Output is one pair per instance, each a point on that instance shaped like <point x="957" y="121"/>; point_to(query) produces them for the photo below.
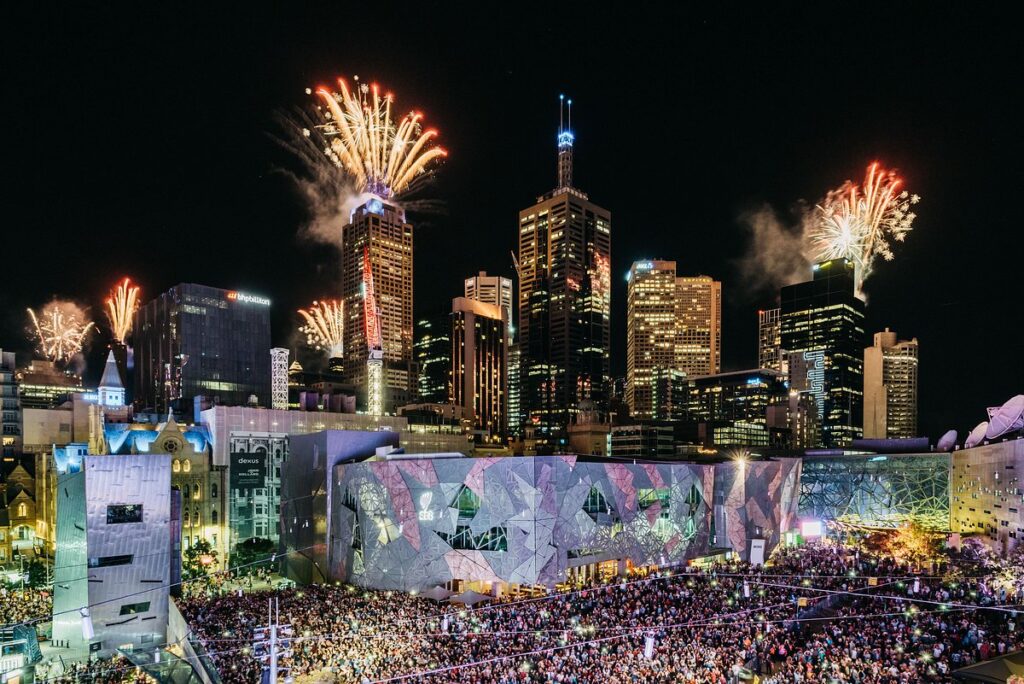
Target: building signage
<point x="248" y="471"/>
<point x="247" y="298"/>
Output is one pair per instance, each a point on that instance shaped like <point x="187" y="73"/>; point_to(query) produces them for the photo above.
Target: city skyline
<point x="252" y="196"/>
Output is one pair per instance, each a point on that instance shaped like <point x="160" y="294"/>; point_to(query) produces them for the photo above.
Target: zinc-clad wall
<point x="117" y="594"/>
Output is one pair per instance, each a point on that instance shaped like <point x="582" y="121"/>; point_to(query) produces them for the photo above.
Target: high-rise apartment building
<point x="379" y="234"/>
<point x="497" y="291"/>
<point x="434" y="359"/>
<point x="564" y="304"/>
<point x="515" y="405"/>
<point x="10" y="406"/>
<point x="479" y="364"/>
<point x="769" y="340"/>
<point x="673" y="331"/>
<point x="652" y="332"/>
<point x="823" y="333"/>
<point x="700" y="325"/>
<point x="494" y="290"/>
<point x="890" y="387"/>
<point x="195" y="340"/>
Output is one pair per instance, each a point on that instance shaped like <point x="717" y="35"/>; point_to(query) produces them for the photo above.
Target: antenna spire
<point x="565" y="141"/>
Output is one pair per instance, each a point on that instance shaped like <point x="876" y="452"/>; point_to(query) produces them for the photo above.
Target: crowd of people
<point x="816" y="614"/>
<point x="116" y="670"/>
<point x="20" y="605"/>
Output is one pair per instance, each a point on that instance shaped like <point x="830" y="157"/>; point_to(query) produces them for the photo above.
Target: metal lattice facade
<point x="279" y="378"/>
<point x="877" y="491"/>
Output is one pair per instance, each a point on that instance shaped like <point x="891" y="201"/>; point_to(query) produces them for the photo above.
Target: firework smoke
<point x="60" y="330"/>
<point x="324" y="327"/>
<point x="121" y="306"/>
<point x="859" y="223"/>
<point x="775" y="257"/>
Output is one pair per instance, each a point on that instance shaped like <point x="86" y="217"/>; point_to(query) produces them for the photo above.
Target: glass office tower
<point x="823" y="327"/>
<point x="195" y="340"/>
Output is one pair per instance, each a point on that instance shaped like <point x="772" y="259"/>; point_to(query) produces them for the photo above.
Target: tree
<point x="252" y="554"/>
<point x="36" y="574"/>
<point x="913" y="543"/>
<point x="200" y="560"/>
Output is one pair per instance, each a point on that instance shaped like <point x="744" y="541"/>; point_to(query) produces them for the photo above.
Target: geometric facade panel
<point x="411" y="524"/>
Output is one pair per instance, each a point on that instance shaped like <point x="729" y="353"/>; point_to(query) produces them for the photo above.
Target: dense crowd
<point x="20" y="605"/>
<point x="109" y="671"/>
<point x="861" y="620"/>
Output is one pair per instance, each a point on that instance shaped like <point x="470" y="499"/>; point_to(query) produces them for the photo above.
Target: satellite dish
<point x="1007" y="418"/>
<point x="947" y="441"/>
<point x="977" y="434"/>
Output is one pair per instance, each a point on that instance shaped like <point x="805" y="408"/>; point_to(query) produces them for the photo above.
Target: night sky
<point x="139" y="142"/>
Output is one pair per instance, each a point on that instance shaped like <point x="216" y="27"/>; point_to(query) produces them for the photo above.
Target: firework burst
<point x="121" y="306"/>
<point x="861" y="223"/>
<point x="324" y="326"/>
<point x="60" y="331"/>
<point x="382" y="155"/>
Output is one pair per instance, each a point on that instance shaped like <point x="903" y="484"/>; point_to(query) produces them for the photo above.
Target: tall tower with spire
<point x="564" y="302"/>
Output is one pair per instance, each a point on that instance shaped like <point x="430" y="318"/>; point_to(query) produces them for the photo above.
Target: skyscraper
<point x="479" y="359"/>
<point x="564" y="303"/>
<point x="673" y="330"/>
<point x="652" y="332"/>
<point x="379" y="233"/>
<point x="497" y="291"/>
<point x="823" y="332"/>
<point x="890" y="387"/>
<point x="494" y="290"/>
<point x="196" y="340"/>
<point x="434" y="358"/>
<point x="769" y="341"/>
<point x="700" y="325"/>
<point x="10" y="406"/>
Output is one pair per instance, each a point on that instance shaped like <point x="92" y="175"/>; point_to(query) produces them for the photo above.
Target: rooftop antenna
<point x="565" y="141"/>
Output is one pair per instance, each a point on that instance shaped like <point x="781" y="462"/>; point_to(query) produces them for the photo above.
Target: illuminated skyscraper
<point x="652" y="332"/>
<point x="195" y="340"/>
<point x="379" y="228"/>
<point x="769" y="341"/>
<point x="434" y="359"/>
<point x="515" y="410"/>
<point x="890" y="387"/>
<point x="823" y="332"/>
<point x="479" y="358"/>
<point x="564" y="303"/>
<point x="700" y="325"/>
<point x="497" y="291"/>
<point x="673" y="331"/>
<point x="494" y="290"/>
<point x="10" y="406"/>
